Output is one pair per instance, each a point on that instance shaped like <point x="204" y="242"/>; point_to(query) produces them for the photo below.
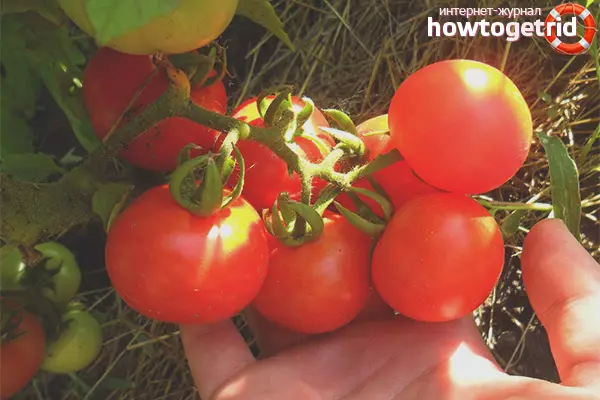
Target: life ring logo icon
<point x="552" y="28"/>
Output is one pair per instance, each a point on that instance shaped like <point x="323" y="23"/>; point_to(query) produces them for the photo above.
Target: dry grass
<point x="351" y="54"/>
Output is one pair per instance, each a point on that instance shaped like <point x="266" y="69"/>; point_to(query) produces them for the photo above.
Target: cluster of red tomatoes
<point x="462" y="128"/>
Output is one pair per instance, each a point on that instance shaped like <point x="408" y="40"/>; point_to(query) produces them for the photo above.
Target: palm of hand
<point x="396" y="358"/>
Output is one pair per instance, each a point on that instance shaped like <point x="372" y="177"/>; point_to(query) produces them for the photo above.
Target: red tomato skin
<point x="321" y="285"/>
<point x="267" y="175"/>
<point x="439" y="258"/>
<point x="375" y="144"/>
<point x="462" y="125"/>
<point x="398" y="180"/>
<point x="21" y="358"/>
<point x="112" y="79"/>
<point x="173" y="266"/>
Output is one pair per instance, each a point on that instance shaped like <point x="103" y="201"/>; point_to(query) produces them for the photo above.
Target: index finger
<point x="215" y="353"/>
<point x="563" y="283"/>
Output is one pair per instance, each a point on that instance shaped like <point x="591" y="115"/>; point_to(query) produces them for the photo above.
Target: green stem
<point x="503" y="205"/>
<point x="300" y="224"/>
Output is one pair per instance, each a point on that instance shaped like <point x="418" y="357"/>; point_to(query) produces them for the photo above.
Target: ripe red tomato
<point x="266" y="174"/>
<point x="398" y="179"/>
<point x="320" y="286"/>
<point x="439" y="257"/>
<point x="462" y="125"/>
<point x="112" y="79"/>
<point x="173" y="266"/>
<point x="21" y="357"/>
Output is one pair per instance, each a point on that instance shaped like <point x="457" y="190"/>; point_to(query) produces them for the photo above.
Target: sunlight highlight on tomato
<point x="173" y="266"/>
<point x="462" y="125"/>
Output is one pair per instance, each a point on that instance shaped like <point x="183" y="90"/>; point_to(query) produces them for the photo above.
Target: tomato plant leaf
<point x="511" y="224"/>
<point x="48" y="9"/>
<point x="262" y="13"/>
<point x="20" y="83"/>
<point x="112" y="18"/>
<point x="30" y="167"/>
<point x="58" y="62"/>
<point x="15" y="134"/>
<point x="564" y="181"/>
<point x="109" y="200"/>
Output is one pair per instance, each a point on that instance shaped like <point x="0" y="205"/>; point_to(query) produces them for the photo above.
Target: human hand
<point x="392" y="357"/>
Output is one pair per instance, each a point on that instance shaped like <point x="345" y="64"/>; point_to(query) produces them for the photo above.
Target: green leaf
<point x="262" y="13"/>
<point x="15" y="134"/>
<point x="113" y="18"/>
<point x="512" y="222"/>
<point x="546" y="97"/>
<point x="564" y="181"/>
<point x="30" y="167"/>
<point x="20" y="84"/>
<point x="48" y="9"/>
<point x="108" y="201"/>
<point x="57" y="60"/>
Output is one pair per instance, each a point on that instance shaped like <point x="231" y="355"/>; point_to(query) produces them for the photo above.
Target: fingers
<point x="271" y="339"/>
<point x="215" y="353"/>
<point x="563" y="284"/>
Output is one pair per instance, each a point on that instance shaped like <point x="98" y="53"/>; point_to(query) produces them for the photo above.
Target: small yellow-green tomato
<point x="194" y="24"/>
<point x="78" y="345"/>
<point x="65" y="273"/>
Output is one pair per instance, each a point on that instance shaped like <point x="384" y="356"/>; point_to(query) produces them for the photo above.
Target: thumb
<point x="563" y="284"/>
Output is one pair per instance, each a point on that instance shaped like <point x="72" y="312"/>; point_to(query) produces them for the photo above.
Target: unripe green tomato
<point x="78" y="345"/>
<point x="12" y="268"/>
<point x="193" y="24"/>
<point x="67" y="277"/>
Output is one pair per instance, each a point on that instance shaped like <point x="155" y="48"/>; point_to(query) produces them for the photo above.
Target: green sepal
<point x="185" y="154"/>
<point x="187" y="62"/>
<point x="353" y="142"/>
<point x="377" y="188"/>
<point x="278" y="226"/>
<point x="370" y="228"/>
<point x="209" y="195"/>
<point x="323" y="147"/>
<point x="221" y="69"/>
<point x="386" y="206"/>
<point x="363" y="209"/>
<point x="380" y="162"/>
<point x="239" y="186"/>
<point x="283" y="101"/>
<point x="182" y="184"/>
<point x="206" y="64"/>
<point x="285" y="213"/>
<point x="262" y="101"/>
<point x="304" y="115"/>
<point x="310" y="216"/>
<point x="341" y="121"/>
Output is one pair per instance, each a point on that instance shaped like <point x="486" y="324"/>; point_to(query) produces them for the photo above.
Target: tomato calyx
<point x="365" y="219"/>
<point x="204" y="66"/>
<point x="206" y="198"/>
<point x="283" y="218"/>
